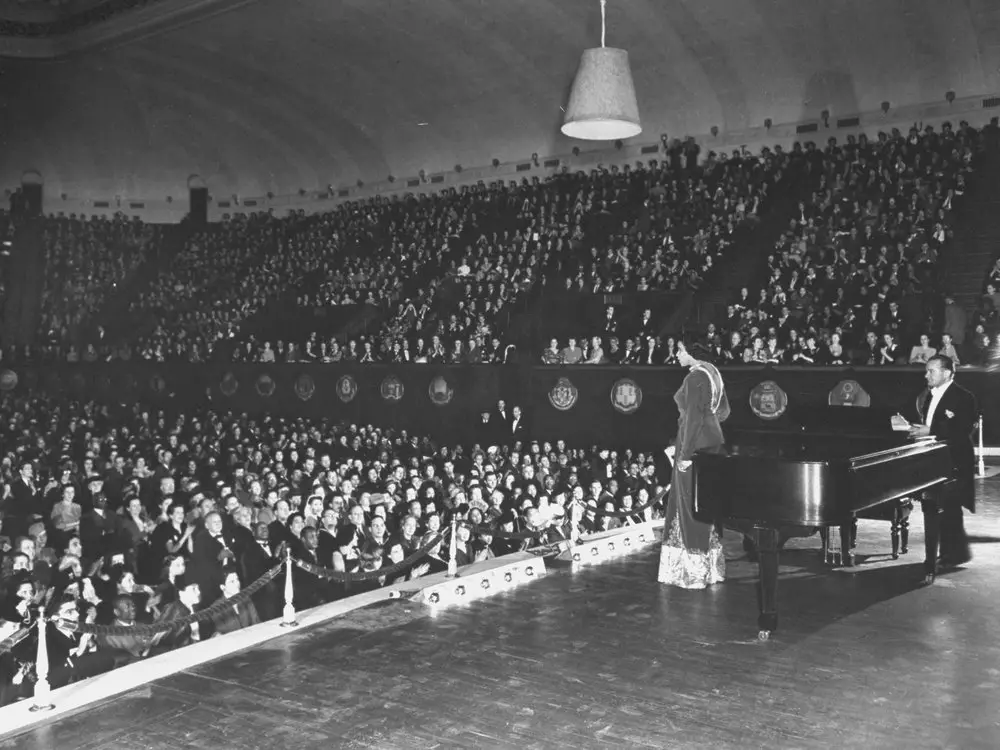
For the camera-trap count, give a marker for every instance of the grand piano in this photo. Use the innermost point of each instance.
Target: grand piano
(821, 470)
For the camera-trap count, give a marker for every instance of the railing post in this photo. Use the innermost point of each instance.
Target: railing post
(288, 613)
(982, 462)
(574, 520)
(42, 688)
(453, 548)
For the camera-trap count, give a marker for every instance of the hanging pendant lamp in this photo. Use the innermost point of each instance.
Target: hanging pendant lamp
(602, 104)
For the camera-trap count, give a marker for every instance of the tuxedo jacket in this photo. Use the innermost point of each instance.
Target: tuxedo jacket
(954, 423)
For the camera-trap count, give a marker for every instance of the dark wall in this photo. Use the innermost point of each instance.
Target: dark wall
(401, 395)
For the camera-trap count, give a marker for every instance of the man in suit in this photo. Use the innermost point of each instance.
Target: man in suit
(212, 550)
(517, 428)
(948, 412)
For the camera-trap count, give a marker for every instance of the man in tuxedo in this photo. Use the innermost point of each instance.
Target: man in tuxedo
(212, 550)
(517, 428)
(948, 412)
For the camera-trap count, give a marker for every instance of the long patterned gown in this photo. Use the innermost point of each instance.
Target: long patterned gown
(691, 556)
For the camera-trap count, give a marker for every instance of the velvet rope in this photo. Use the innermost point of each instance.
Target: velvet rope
(622, 513)
(344, 577)
(201, 615)
(13, 639)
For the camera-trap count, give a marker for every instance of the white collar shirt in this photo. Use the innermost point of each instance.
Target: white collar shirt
(936, 394)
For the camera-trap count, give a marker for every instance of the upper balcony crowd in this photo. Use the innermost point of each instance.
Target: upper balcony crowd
(853, 278)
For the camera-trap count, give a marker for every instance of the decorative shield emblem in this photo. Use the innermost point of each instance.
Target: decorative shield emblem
(157, 384)
(8, 380)
(229, 384)
(563, 395)
(626, 396)
(768, 401)
(440, 391)
(305, 387)
(392, 388)
(265, 385)
(849, 393)
(347, 388)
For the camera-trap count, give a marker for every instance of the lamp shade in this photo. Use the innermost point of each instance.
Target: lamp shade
(602, 104)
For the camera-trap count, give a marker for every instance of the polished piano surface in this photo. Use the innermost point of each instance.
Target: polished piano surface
(822, 470)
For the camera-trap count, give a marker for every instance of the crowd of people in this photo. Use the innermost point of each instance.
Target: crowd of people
(85, 261)
(124, 516)
(442, 276)
(854, 279)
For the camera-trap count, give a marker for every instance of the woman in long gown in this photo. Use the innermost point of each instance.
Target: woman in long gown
(691, 556)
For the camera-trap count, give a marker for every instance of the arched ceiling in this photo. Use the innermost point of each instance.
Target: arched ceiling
(282, 94)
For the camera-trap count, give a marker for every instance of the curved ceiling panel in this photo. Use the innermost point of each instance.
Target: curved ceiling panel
(286, 94)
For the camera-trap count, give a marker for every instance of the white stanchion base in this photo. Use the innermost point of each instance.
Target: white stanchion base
(17, 717)
(607, 545)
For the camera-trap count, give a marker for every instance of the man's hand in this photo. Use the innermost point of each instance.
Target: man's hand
(683, 465)
(671, 451)
(919, 431)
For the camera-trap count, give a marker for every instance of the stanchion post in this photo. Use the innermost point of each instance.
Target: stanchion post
(574, 519)
(288, 613)
(42, 688)
(982, 461)
(453, 549)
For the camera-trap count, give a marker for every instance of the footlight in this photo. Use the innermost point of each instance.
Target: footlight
(460, 590)
(576, 557)
(611, 546)
(434, 598)
(529, 571)
(508, 577)
(485, 583)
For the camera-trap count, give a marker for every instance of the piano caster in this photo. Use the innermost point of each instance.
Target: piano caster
(763, 635)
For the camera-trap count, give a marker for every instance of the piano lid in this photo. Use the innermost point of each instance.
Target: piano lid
(815, 449)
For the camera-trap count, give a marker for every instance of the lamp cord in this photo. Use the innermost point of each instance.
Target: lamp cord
(604, 5)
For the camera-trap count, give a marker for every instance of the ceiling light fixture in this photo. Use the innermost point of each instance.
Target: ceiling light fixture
(602, 104)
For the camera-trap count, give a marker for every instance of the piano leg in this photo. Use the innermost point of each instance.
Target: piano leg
(897, 515)
(904, 527)
(848, 532)
(767, 543)
(932, 535)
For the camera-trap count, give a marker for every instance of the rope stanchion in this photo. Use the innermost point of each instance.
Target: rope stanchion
(982, 456)
(43, 690)
(202, 615)
(453, 548)
(288, 613)
(368, 575)
(576, 515)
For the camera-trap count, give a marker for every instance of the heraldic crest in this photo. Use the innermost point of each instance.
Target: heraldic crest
(392, 388)
(626, 396)
(347, 388)
(563, 395)
(768, 401)
(305, 387)
(849, 393)
(439, 391)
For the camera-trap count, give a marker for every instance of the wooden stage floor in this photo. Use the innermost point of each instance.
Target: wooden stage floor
(605, 657)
